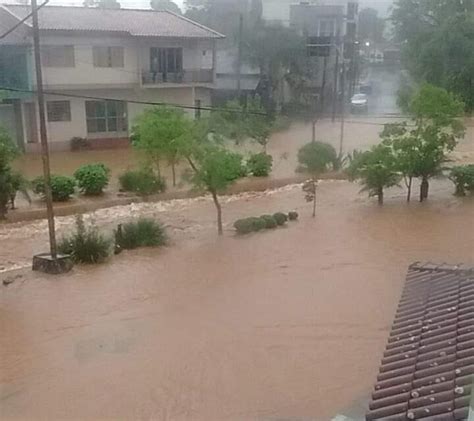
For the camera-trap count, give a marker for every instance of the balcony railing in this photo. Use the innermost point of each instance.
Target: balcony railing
(186, 76)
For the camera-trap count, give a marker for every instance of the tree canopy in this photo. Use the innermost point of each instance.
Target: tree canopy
(165, 5)
(438, 40)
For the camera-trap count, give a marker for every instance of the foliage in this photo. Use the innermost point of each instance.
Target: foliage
(142, 233)
(260, 164)
(143, 181)
(80, 143)
(438, 41)
(421, 151)
(280, 218)
(7, 154)
(463, 178)
(244, 226)
(159, 132)
(371, 26)
(376, 169)
(165, 5)
(86, 245)
(92, 178)
(292, 215)
(316, 157)
(62, 187)
(275, 50)
(270, 221)
(102, 4)
(18, 184)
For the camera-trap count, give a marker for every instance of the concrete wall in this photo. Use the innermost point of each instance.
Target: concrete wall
(60, 133)
(196, 55)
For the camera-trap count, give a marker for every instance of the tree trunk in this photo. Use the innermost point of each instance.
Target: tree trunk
(314, 199)
(380, 195)
(173, 171)
(424, 187)
(219, 212)
(410, 179)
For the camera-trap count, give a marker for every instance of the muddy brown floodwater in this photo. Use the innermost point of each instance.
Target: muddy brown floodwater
(283, 324)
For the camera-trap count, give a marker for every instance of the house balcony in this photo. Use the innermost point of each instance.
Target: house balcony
(197, 76)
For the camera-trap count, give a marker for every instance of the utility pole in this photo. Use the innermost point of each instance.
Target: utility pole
(43, 134)
(336, 77)
(323, 84)
(343, 107)
(239, 54)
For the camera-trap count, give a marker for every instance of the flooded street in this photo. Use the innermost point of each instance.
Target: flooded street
(283, 324)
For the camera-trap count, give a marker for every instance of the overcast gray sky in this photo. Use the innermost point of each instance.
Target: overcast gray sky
(381, 5)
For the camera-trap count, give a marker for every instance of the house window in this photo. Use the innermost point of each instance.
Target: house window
(59, 110)
(106, 116)
(108, 56)
(57, 56)
(166, 60)
(197, 110)
(326, 28)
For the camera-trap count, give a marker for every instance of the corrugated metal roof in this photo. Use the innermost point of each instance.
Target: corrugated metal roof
(427, 369)
(134, 22)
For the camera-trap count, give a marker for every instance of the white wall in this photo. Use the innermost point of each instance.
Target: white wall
(61, 132)
(84, 71)
(193, 57)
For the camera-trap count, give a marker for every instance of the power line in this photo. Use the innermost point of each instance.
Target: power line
(4, 35)
(134, 101)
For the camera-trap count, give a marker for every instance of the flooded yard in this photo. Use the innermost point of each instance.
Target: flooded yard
(282, 324)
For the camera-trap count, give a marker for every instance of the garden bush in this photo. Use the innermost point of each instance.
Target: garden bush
(92, 178)
(280, 218)
(258, 224)
(270, 221)
(463, 179)
(143, 181)
(142, 233)
(62, 187)
(292, 216)
(260, 164)
(244, 226)
(86, 245)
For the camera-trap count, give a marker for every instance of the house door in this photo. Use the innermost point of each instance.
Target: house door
(30, 123)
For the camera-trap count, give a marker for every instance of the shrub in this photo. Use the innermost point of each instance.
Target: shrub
(62, 187)
(86, 245)
(92, 178)
(143, 181)
(463, 179)
(80, 144)
(244, 226)
(280, 218)
(270, 221)
(292, 216)
(142, 233)
(258, 224)
(260, 164)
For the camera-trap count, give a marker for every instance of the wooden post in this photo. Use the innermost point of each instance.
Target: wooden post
(43, 133)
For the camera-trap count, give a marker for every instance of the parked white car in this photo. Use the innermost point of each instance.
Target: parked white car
(359, 103)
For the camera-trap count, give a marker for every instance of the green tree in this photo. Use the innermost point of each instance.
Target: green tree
(165, 5)
(438, 43)
(315, 158)
(275, 50)
(376, 169)
(158, 132)
(7, 178)
(421, 151)
(102, 4)
(213, 168)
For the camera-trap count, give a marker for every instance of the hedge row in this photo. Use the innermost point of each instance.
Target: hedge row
(253, 223)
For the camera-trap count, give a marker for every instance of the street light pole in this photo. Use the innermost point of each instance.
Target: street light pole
(43, 134)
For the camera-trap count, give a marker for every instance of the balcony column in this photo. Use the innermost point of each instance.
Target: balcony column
(214, 61)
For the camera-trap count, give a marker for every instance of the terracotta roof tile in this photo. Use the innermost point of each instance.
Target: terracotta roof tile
(427, 370)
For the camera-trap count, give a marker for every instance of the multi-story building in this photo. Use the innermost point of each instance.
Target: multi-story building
(101, 68)
(329, 27)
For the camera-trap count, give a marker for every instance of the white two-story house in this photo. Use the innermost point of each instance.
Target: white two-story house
(101, 68)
